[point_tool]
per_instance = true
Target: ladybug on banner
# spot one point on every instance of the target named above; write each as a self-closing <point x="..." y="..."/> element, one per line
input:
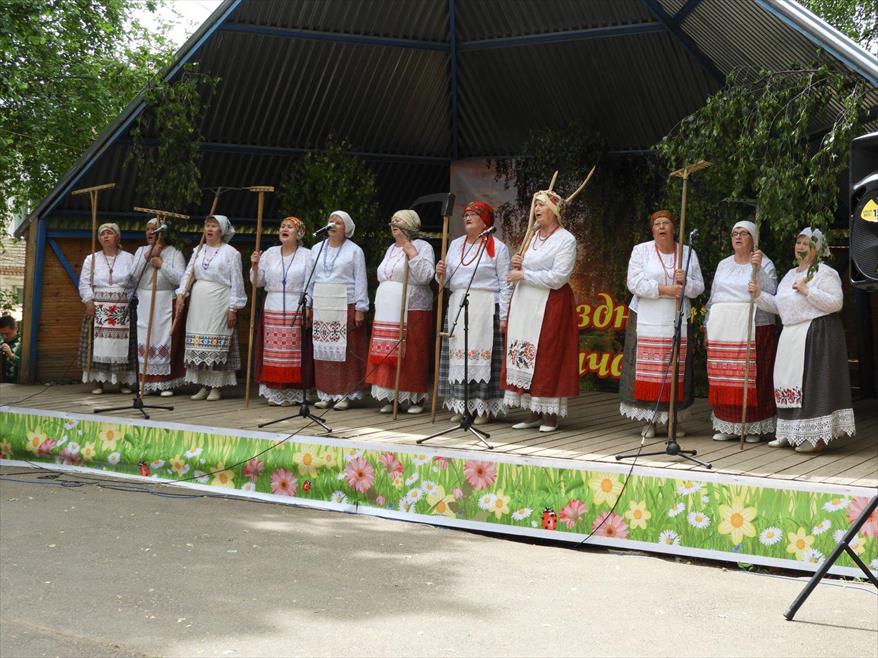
<point x="550" y="519"/>
<point x="144" y="469"/>
<point x="306" y="486"/>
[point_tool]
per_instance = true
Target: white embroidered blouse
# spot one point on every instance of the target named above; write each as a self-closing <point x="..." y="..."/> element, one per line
<point x="345" y="265"/>
<point x="170" y="274"/>
<point x="422" y="268"/>
<point x="110" y="271"/>
<point x="648" y="268"/>
<point x="221" y="265"/>
<point x="273" y="265"/>
<point x="549" y="263"/>
<point x="731" y="280"/>
<point x="824" y="296"/>
<point x="460" y="262"/>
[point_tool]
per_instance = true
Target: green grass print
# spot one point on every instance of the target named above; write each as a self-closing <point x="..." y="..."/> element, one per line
<point x="426" y="484"/>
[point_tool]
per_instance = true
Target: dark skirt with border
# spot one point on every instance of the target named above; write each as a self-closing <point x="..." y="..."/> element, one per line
<point x="826" y="411"/>
<point x="484" y="397"/>
<point x="639" y="409"/>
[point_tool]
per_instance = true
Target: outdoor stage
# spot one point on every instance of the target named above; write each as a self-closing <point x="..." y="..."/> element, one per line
<point x="758" y="505"/>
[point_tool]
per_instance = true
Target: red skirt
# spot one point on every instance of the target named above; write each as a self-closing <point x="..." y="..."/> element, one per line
<point x="414" y="375"/>
<point x="556" y="371"/>
<point x="339" y="378"/>
<point x="278" y="376"/>
<point x="763" y="407"/>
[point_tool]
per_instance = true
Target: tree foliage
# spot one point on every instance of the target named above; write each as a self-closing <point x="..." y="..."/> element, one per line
<point x="68" y="68"/>
<point x="780" y="138"/>
<point x="855" y="18"/>
<point x="166" y="152"/>
<point x="334" y="179"/>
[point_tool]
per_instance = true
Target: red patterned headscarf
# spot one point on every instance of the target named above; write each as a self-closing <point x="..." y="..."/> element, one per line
<point x="486" y="213"/>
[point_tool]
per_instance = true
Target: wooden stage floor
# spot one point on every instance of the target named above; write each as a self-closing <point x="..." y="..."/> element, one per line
<point x="594" y="431"/>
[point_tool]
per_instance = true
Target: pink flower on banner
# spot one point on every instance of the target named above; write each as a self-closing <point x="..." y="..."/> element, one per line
<point x="457" y="493"/>
<point x="380" y="501"/>
<point x="46" y="447"/>
<point x="572" y="513"/>
<point x="480" y="475"/>
<point x="441" y="462"/>
<point x="69" y="456"/>
<point x="360" y="474"/>
<point x="855" y="508"/>
<point x="614" y="527"/>
<point x="391" y="463"/>
<point x="253" y="469"/>
<point x="284" y="483"/>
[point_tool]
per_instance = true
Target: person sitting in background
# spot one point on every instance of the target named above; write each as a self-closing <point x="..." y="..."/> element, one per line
<point x="10" y="349"/>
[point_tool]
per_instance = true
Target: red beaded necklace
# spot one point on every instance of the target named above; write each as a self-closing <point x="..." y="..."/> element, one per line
<point x="463" y="255"/>
<point x="669" y="274"/>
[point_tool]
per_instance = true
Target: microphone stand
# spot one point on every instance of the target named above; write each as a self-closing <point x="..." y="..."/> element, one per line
<point x="304" y="408"/>
<point x="671" y="446"/>
<point x="466" y="418"/>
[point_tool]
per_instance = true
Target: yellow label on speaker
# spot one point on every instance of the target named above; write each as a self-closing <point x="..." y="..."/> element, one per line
<point x="870" y="211"/>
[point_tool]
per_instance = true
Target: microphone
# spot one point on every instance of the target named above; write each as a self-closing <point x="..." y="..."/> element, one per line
<point x="488" y="231"/>
<point x="693" y="234"/>
<point x="324" y="230"/>
<point x="161" y="229"/>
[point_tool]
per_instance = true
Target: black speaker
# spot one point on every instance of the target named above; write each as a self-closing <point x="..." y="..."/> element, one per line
<point x="864" y="212"/>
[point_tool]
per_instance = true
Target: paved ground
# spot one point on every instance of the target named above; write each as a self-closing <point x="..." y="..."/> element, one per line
<point x="87" y="571"/>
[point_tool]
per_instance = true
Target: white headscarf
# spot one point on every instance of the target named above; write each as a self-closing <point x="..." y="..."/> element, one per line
<point x="349" y="225"/>
<point x="225" y="226"/>
<point x="153" y="220"/>
<point x="750" y="227"/>
<point x="819" y="240"/>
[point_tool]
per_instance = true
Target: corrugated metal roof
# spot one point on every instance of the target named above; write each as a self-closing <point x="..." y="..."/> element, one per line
<point x="379" y="72"/>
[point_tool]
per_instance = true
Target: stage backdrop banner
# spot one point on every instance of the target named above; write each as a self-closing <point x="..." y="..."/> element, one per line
<point x="707" y="515"/>
<point x="601" y="316"/>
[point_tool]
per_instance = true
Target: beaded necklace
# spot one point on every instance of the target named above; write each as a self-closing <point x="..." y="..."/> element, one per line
<point x="110" y="267"/>
<point x="286" y="271"/>
<point x="669" y="274"/>
<point x="463" y="254"/>
<point x="388" y="274"/>
<point x="327" y="269"/>
<point x="205" y="261"/>
<point x="541" y="239"/>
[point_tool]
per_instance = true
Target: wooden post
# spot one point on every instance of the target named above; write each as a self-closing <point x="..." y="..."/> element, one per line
<point x="678" y="264"/>
<point x="751" y="312"/>
<point x="260" y="190"/>
<point x="438" y="345"/>
<point x="93" y="198"/>
<point x="402" y="329"/>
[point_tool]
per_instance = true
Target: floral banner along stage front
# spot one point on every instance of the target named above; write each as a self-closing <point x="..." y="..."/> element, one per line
<point x="744" y="520"/>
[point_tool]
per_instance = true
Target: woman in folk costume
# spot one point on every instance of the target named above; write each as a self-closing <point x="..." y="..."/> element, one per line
<point x="727" y="332"/>
<point x="541" y="368"/>
<point x="811" y="380"/>
<point x="212" y="354"/>
<point x="164" y="367"/>
<point x="414" y="375"/>
<point x="280" y="345"/>
<point x="656" y="284"/>
<point x="340" y="298"/>
<point x="488" y="306"/>
<point x="105" y="290"/>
